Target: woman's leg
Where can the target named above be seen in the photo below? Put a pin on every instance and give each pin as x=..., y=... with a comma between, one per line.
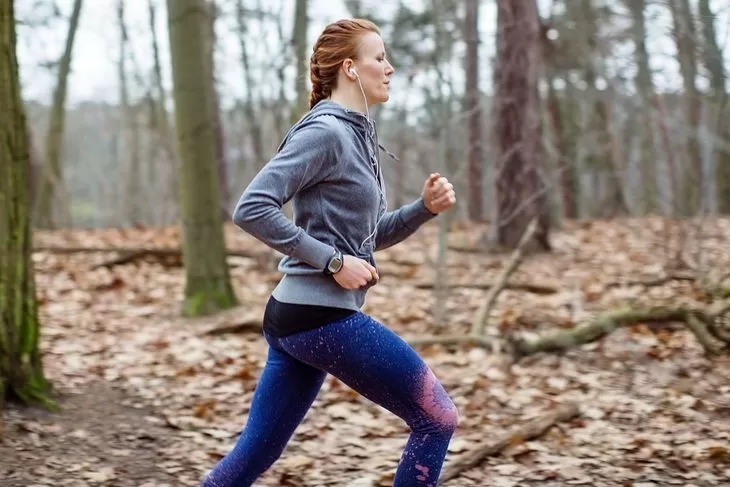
x=285, y=391
x=381, y=366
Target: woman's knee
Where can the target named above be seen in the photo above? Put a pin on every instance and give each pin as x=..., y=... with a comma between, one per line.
x=440, y=410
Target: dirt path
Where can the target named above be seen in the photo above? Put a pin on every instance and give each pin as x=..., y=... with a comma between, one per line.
x=103, y=436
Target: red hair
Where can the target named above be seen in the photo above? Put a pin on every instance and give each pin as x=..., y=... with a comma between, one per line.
x=338, y=41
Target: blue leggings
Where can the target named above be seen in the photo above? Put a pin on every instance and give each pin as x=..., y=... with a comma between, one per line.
x=370, y=359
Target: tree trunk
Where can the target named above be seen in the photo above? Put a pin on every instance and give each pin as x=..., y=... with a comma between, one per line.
x=684, y=36
x=645, y=88
x=566, y=173
x=21, y=368
x=208, y=284
x=54, y=207
x=520, y=193
x=474, y=147
x=718, y=81
x=130, y=132
x=220, y=142
x=299, y=42
x=167, y=210
x=249, y=109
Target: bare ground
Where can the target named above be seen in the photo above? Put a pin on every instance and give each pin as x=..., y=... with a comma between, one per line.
x=101, y=436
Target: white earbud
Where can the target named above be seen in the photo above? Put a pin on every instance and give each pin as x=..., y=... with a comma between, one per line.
x=353, y=72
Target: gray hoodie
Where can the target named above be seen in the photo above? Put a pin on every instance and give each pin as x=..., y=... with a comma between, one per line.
x=329, y=166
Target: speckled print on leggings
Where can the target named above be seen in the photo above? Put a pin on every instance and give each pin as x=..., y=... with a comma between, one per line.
x=369, y=358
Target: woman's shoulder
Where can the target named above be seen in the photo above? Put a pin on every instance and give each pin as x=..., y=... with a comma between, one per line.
x=325, y=128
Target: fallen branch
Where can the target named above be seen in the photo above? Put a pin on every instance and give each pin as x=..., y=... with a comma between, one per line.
x=606, y=323
x=476, y=336
x=448, y=340
x=512, y=286
x=250, y=325
x=130, y=254
x=529, y=431
x=654, y=281
x=482, y=314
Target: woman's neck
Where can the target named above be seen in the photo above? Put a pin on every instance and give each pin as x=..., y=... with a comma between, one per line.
x=352, y=99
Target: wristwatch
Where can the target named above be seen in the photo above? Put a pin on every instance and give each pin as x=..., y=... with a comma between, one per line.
x=334, y=265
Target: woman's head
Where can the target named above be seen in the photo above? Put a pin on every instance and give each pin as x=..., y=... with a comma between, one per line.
x=347, y=51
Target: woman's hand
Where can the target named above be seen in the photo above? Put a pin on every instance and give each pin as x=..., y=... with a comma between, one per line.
x=355, y=273
x=438, y=194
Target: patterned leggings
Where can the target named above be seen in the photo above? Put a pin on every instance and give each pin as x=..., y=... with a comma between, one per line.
x=370, y=359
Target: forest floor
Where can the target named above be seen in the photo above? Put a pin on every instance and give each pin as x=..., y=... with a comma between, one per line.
x=150, y=399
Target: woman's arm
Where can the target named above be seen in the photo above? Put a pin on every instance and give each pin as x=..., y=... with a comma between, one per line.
x=397, y=225
x=306, y=158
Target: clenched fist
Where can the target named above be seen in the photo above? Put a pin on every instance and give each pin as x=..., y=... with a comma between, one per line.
x=356, y=273
x=438, y=193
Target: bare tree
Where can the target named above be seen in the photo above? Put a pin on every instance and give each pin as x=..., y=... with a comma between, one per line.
x=685, y=38
x=472, y=106
x=220, y=143
x=299, y=44
x=130, y=130
x=21, y=367
x=520, y=193
x=208, y=284
x=160, y=126
x=645, y=89
x=54, y=206
x=712, y=58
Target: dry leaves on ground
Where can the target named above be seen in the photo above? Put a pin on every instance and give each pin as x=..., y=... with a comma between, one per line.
x=170, y=398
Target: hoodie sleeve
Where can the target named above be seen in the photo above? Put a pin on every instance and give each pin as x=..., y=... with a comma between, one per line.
x=400, y=224
x=308, y=157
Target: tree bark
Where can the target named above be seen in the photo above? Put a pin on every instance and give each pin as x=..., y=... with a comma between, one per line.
x=168, y=210
x=208, y=285
x=54, y=207
x=250, y=105
x=133, y=191
x=21, y=368
x=519, y=191
x=684, y=35
x=645, y=88
x=473, y=109
x=299, y=43
x=220, y=139
x=718, y=81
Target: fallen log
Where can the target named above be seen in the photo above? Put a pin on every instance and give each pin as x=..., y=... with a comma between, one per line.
x=697, y=320
x=529, y=431
x=130, y=254
x=654, y=281
x=527, y=287
x=244, y=326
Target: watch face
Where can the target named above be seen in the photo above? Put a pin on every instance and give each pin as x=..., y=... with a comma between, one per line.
x=336, y=264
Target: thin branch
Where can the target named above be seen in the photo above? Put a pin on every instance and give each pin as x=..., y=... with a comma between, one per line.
x=480, y=319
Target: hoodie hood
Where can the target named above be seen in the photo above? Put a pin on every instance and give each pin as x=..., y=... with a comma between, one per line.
x=362, y=123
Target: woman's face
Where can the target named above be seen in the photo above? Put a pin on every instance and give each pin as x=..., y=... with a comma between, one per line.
x=373, y=68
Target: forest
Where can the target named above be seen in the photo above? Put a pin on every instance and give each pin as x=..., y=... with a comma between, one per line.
x=574, y=302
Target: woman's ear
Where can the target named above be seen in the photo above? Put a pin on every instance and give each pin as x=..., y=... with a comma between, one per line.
x=350, y=72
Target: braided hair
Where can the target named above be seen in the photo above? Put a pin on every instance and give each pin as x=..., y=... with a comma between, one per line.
x=338, y=41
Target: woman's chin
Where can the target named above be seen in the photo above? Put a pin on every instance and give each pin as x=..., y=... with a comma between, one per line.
x=380, y=97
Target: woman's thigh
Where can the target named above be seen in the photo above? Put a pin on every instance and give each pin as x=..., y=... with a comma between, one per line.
x=373, y=360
